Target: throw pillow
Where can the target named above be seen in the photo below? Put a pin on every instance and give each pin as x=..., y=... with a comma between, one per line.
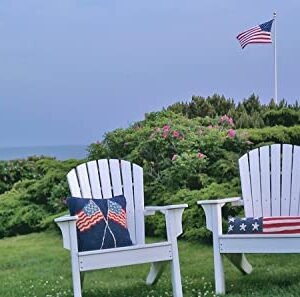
x=264, y=225
x=101, y=223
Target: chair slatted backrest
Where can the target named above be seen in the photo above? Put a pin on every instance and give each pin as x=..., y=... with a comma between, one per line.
x=270, y=180
x=104, y=179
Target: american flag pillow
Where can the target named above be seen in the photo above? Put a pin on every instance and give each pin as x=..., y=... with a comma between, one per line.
x=264, y=225
x=101, y=223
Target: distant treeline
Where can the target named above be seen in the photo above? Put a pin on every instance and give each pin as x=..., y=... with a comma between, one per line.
x=249, y=113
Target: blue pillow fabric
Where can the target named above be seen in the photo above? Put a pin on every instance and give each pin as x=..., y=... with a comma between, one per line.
x=238, y=225
x=101, y=223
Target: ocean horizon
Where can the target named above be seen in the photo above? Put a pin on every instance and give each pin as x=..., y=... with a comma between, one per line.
x=60, y=152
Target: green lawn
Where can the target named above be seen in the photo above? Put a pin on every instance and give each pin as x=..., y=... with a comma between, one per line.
x=36, y=265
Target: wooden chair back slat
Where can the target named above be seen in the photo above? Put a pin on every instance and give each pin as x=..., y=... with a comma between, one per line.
x=114, y=166
x=73, y=183
x=286, y=179
x=275, y=179
x=255, y=182
x=105, y=178
x=246, y=185
x=84, y=182
x=265, y=177
x=126, y=172
x=295, y=191
x=94, y=179
x=139, y=203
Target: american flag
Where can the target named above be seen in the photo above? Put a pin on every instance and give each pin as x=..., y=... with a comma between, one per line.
x=89, y=216
x=116, y=213
x=257, y=34
x=265, y=225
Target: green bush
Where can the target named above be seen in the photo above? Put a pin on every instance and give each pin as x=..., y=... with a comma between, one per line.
x=283, y=117
x=16, y=170
x=278, y=134
x=27, y=205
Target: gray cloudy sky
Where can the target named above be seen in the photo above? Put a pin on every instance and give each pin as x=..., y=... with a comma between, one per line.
x=72, y=70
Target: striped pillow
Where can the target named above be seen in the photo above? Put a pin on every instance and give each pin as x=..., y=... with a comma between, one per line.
x=264, y=225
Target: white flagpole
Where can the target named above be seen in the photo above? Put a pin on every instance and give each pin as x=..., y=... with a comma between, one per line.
x=275, y=59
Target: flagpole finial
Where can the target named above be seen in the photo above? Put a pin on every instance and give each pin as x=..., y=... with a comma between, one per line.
x=274, y=14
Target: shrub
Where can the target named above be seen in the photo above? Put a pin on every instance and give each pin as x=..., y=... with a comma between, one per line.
x=283, y=117
x=28, y=204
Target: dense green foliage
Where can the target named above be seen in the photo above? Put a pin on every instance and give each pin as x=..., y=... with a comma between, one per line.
x=249, y=113
x=37, y=193
x=188, y=152
x=37, y=265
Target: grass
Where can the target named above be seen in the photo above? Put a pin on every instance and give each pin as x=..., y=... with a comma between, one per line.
x=36, y=265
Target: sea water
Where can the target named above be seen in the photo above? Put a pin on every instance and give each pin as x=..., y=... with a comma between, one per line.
x=62, y=152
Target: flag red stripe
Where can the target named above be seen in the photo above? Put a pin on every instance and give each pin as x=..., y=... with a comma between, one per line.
x=281, y=218
x=283, y=232
x=85, y=223
x=256, y=39
x=121, y=219
x=257, y=42
x=90, y=221
x=86, y=218
x=249, y=31
x=265, y=35
x=258, y=33
x=273, y=225
x=90, y=224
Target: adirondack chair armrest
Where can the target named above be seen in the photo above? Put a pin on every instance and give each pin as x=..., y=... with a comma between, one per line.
x=151, y=210
x=67, y=225
x=173, y=216
x=213, y=212
x=232, y=200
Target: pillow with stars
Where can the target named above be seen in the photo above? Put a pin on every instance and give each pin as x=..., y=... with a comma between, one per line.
x=264, y=225
x=238, y=225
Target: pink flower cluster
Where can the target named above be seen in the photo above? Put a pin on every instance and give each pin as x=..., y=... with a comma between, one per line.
x=213, y=127
x=226, y=119
x=166, y=129
x=199, y=155
x=231, y=133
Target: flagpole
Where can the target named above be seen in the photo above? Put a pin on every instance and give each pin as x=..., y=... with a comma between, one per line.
x=275, y=59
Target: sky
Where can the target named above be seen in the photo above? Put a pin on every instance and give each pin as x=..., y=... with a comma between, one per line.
x=71, y=70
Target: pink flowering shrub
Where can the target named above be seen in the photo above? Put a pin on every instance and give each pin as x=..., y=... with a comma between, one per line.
x=177, y=153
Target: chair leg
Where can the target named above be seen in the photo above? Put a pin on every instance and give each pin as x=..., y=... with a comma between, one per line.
x=219, y=272
x=240, y=262
x=76, y=279
x=82, y=277
x=175, y=274
x=155, y=272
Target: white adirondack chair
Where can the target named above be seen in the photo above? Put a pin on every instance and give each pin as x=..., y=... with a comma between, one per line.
x=107, y=178
x=270, y=180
